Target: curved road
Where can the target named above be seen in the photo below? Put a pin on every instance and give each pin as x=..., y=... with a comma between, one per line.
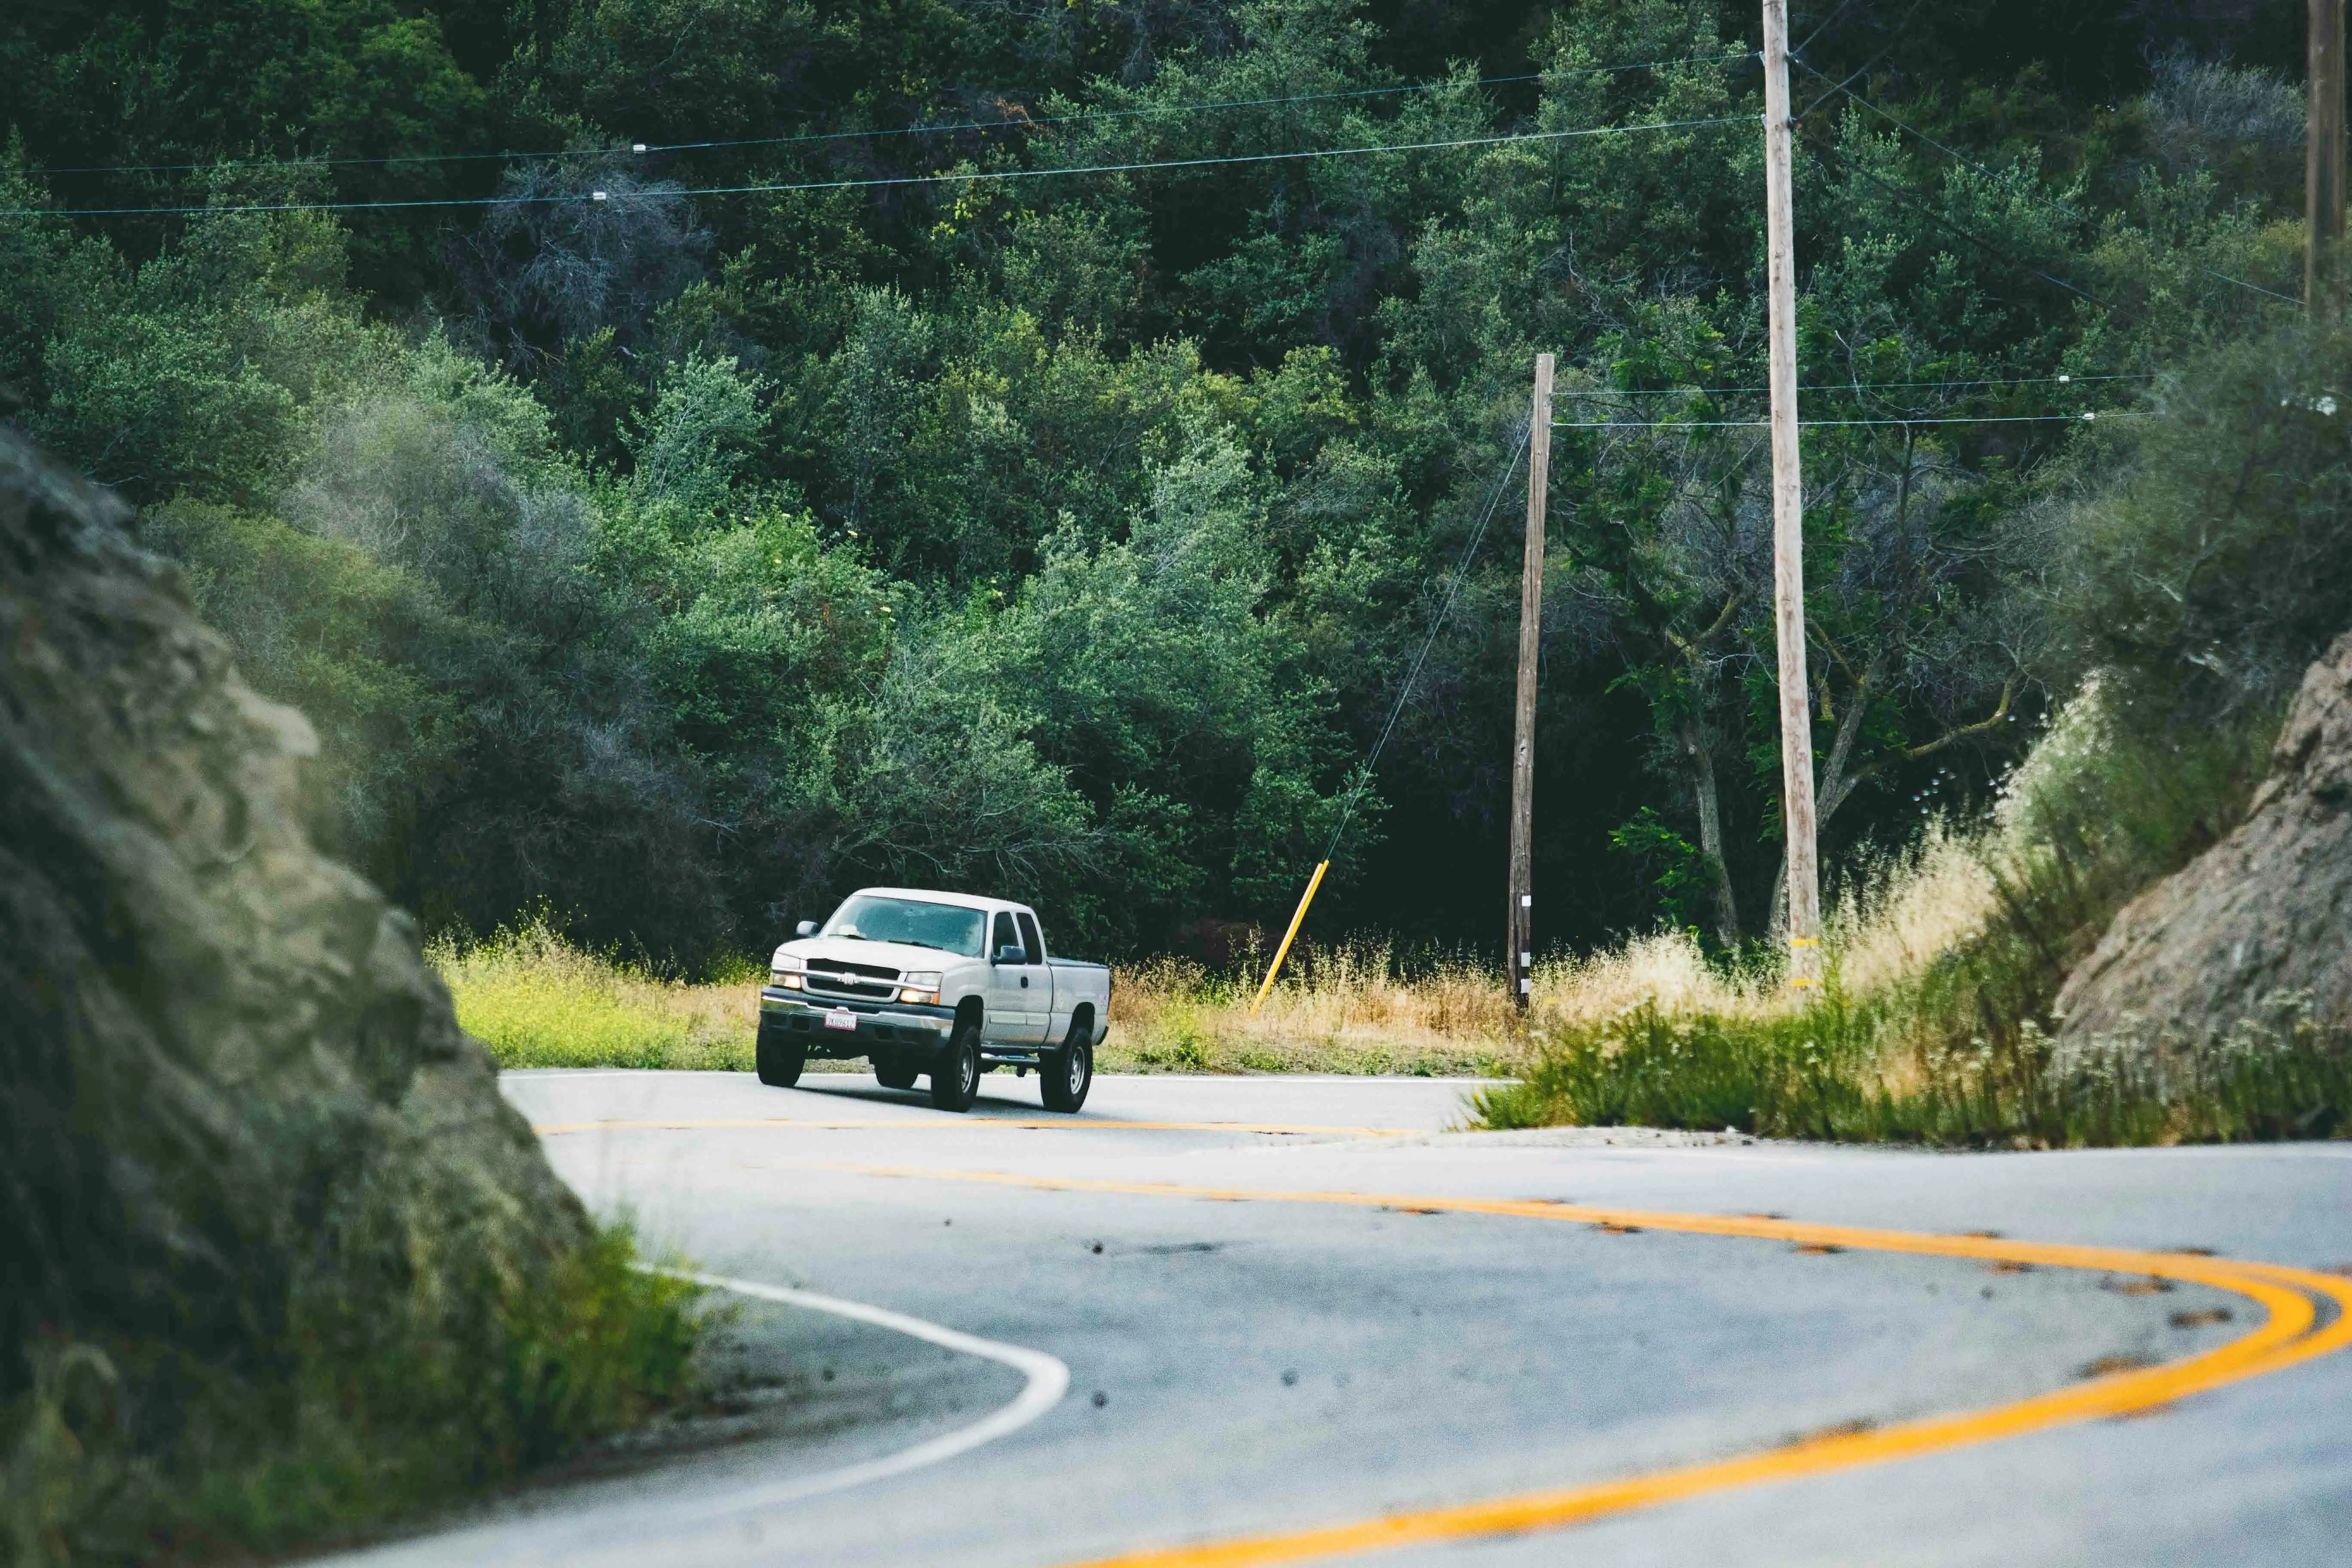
x=1300, y=1322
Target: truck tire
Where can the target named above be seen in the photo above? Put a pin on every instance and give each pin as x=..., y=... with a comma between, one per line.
x=1065, y=1074
x=896, y=1072
x=955, y=1072
x=779, y=1061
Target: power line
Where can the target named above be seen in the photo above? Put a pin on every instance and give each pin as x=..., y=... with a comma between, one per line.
x=1966, y=161
x=1893, y=33
x=2083, y=418
x=1095, y=114
x=636, y=149
x=1822, y=27
x=1910, y=199
x=1436, y=625
x=1858, y=385
x=968, y=178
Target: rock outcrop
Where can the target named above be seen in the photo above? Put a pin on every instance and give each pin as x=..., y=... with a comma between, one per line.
x=237, y=1113
x=2260, y=919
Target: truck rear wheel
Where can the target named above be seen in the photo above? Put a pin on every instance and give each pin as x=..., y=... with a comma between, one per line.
x=895, y=1072
x=955, y=1074
x=1065, y=1074
x=779, y=1061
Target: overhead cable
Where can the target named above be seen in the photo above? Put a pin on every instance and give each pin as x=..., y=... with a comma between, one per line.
x=1966, y=161
x=1011, y=122
x=1436, y=624
x=951, y=177
x=2083, y=418
x=1854, y=385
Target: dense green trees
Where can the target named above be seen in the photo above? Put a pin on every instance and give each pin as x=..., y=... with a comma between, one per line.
x=679, y=557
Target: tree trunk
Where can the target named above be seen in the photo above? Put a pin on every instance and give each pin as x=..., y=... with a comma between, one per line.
x=1835, y=784
x=1701, y=758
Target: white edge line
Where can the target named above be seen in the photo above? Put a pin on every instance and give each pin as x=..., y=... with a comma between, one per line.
x=1049, y=1380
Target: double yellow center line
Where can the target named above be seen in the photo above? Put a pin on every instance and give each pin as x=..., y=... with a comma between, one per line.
x=2292, y=1301
x=2305, y=1314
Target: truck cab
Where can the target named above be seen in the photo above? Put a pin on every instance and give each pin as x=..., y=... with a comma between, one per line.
x=928, y=983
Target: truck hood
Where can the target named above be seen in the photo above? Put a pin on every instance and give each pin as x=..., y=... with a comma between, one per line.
x=900, y=956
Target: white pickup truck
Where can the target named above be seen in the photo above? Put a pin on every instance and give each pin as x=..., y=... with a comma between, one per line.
x=934, y=984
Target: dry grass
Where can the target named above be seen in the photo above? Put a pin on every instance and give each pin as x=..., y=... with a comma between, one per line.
x=1910, y=910
x=1352, y=1007
x=1343, y=1009
x=537, y=1001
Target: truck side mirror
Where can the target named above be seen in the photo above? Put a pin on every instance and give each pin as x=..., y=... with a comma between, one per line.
x=1011, y=953
x=806, y=928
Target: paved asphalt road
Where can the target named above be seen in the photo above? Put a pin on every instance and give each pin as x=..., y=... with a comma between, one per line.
x=1243, y=1364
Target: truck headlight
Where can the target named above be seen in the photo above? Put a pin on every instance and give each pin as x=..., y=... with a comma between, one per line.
x=786, y=969
x=920, y=986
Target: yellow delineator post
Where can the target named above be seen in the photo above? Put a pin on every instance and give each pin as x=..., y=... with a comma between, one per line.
x=1289, y=936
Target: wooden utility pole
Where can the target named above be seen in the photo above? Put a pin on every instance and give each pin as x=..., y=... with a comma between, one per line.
x=2322, y=163
x=1521, y=926
x=1789, y=513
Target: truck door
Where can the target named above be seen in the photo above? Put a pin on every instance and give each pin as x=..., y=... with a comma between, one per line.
x=1051, y=1008
x=1013, y=986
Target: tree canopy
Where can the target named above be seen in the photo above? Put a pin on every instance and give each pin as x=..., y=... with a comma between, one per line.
x=1025, y=449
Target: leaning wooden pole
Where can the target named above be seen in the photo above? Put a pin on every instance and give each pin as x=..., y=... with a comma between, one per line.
x=1788, y=515
x=1289, y=936
x=1519, y=954
x=2322, y=163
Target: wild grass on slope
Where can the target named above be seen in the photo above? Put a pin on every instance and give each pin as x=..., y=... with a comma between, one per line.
x=1350, y=1008
x=124, y=1455
x=1935, y=1024
x=537, y=1001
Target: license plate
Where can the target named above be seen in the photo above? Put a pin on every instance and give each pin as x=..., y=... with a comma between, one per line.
x=841, y=1019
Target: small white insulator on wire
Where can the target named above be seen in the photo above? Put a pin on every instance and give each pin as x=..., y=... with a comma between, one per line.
x=595, y=195
x=2062, y=379
x=2087, y=417
x=637, y=146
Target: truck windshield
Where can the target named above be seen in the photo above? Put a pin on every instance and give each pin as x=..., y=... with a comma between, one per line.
x=948, y=927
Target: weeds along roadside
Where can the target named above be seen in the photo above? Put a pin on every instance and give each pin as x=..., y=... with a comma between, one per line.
x=129, y=1454
x=1936, y=1025
x=536, y=1000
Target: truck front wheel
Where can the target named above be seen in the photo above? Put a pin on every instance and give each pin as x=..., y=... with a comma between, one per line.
x=1065, y=1074
x=955, y=1074
x=779, y=1061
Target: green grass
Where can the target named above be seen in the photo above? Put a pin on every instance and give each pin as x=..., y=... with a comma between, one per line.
x=125, y=1454
x=1846, y=1069
x=1936, y=1025
x=537, y=1001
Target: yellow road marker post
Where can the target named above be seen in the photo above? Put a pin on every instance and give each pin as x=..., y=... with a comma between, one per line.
x=1288, y=937
x=1803, y=963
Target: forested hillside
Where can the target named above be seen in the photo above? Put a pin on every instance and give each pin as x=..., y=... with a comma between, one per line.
x=1025, y=447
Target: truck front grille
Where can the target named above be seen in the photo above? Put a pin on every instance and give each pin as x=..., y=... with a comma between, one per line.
x=858, y=981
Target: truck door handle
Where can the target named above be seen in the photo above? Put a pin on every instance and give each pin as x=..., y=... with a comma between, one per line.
x=1024, y=983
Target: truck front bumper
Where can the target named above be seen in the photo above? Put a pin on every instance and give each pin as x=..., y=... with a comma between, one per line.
x=875, y=1025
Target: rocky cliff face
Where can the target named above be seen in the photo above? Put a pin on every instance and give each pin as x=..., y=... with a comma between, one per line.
x=2266, y=914
x=237, y=1113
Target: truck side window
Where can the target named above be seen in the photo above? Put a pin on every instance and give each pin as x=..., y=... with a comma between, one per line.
x=1004, y=936
x=1031, y=940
